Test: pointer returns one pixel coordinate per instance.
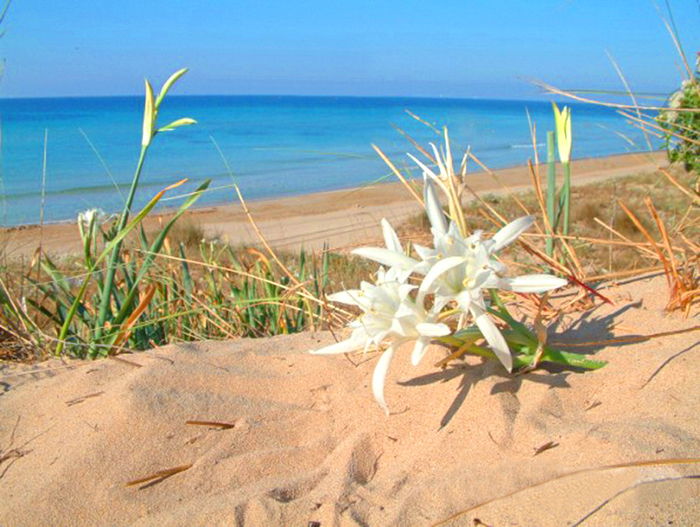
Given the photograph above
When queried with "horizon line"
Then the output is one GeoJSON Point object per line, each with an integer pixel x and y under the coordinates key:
{"type": "Point", "coordinates": [298, 96]}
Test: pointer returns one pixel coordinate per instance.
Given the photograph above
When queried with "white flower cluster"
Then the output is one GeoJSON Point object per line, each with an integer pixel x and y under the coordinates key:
{"type": "Point", "coordinates": [87, 217]}
{"type": "Point", "coordinates": [455, 272]}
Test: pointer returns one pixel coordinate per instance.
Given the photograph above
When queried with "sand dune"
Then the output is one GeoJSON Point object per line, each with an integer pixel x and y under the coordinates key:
{"type": "Point", "coordinates": [310, 444]}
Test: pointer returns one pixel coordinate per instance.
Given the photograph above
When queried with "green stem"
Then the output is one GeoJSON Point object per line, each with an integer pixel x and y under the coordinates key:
{"type": "Point", "coordinates": [114, 256]}
{"type": "Point", "coordinates": [522, 360]}
{"type": "Point", "coordinates": [551, 192]}
{"type": "Point", "coordinates": [566, 194]}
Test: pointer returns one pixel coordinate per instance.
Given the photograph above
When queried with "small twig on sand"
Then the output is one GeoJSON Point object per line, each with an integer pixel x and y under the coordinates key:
{"type": "Point", "coordinates": [158, 477]}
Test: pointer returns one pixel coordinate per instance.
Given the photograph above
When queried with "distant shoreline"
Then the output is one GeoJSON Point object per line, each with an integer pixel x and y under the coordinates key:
{"type": "Point", "coordinates": [341, 218]}
{"type": "Point", "coordinates": [164, 211]}
{"type": "Point", "coordinates": [277, 146]}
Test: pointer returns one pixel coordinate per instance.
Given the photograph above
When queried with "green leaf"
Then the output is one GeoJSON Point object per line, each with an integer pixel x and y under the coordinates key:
{"type": "Point", "coordinates": [185, 121]}
{"type": "Point", "coordinates": [149, 117]}
{"type": "Point", "coordinates": [77, 303]}
{"type": "Point", "coordinates": [168, 84]}
{"type": "Point", "coordinates": [153, 252]}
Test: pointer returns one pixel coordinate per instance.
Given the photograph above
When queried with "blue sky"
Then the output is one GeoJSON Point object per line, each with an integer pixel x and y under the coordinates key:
{"type": "Point", "coordinates": [454, 48]}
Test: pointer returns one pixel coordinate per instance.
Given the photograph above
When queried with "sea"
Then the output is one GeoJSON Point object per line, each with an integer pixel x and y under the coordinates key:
{"type": "Point", "coordinates": [59, 156]}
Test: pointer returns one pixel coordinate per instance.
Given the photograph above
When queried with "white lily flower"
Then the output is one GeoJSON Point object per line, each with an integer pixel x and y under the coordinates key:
{"type": "Point", "coordinates": [389, 313]}
{"type": "Point", "coordinates": [462, 267]}
{"type": "Point", "coordinates": [458, 269]}
{"type": "Point", "coordinates": [393, 256]}
{"type": "Point", "coordinates": [86, 217]}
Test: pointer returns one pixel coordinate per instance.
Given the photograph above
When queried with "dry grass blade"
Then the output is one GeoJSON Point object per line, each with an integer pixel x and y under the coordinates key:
{"type": "Point", "coordinates": [642, 123]}
{"type": "Point", "coordinates": [424, 122]}
{"type": "Point", "coordinates": [415, 144]}
{"type": "Point", "coordinates": [650, 239]}
{"type": "Point", "coordinates": [547, 446]}
{"type": "Point", "coordinates": [82, 398]}
{"type": "Point", "coordinates": [690, 193]}
{"type": "Point", "coordinates": [640, 246]}
{"type": "Point", "coordinates": [624, 274]}
{"type": "Point", "coordinates": [124, 361]}
{"type": "Point", "coordinates": [625, 340]}
{"type": "Point", "coordinates": [216, 424]}
{"type": "Point", "coordinates": [262, 238]}
{"type": "Point", "coordinates": [159, 476]}
{"type": "Point", "coordinates": [664, 237]}
{"type": "Point", "coordinates": [632, 96]}
{"type": "Point", "coordinates": [498, 180]}
{"type": "Point", "coordinates": [556, 91]}
{"type": "Point", "coordinates": [633, 464]}
{"type": "Point", "coordinates": [399, 175]}
{"type": "Point", "coordinates": [129, 324]}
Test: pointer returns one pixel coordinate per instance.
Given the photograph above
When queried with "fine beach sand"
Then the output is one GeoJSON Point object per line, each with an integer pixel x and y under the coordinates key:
{"type": "Point", "coordinates": [309, 444]}
{"type": "Point", "coordinates": [341, 218]}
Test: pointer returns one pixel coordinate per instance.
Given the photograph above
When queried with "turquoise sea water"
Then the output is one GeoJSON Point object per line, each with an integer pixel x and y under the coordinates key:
{"type": "Point", "coordinates": [275, 146]}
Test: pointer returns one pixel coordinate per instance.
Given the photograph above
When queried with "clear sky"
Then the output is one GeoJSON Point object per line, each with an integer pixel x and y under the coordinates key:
{"type": "Point", "coordinates": [455, 48]}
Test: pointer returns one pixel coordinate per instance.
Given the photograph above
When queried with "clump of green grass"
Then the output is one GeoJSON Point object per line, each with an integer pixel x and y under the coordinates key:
{"type": "Point", "coordinates": [208, 290]}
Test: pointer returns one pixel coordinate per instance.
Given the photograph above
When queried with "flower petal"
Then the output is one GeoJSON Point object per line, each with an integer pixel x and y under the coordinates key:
{"type": "Point", "coordinates": [532, 283]}
{"type": "Point", "coordinates": [428, 329]}
{"type": "Point", "coordinates": [436, 271]}
{"type": "Point", "coordinates": [390, 238]}
{"type": "Point", "coordinates": [386, 257]}
{"type": "Point", "coordinates": [379, 377]}
{"type": "Point", "coordinates": [433, 208]}
{"type": "Point", "coordinates": [426, 171]}
{"type": "Point", "coordinates": [510, 232]}
{"type": "Point", "coordinates": [425, 253]}
{"type": "Point", "coordinates": [350, 297]}
{"type": "Point", "coordinates": [493, 336]}
{"type": "Point", "coordinates": [344, 346]}
{"type": "Point", "coordinates": [419, 350]}
{"type": "Point", "coordinates": [438, 159]}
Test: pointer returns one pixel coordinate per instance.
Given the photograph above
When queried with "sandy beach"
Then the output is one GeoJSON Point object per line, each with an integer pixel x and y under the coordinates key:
{"type": "Point", "coordinates": [341, 218]}
{"type": "Point", "coordinates": [260, 432]}
{"type": "Point", "coordinates": [299, 265]}
{"type": "Point", "coordinates": [300, 438]}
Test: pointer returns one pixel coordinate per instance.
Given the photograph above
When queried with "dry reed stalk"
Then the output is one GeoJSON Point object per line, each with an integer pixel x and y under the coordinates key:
{"type": "Point", "coordinates": [498, 180]}
{"type": "Point", "coordinates": [556, 91]}
{"type": "Point", "coordinates": [688, 192]}
{"type": "Point", "coordinates": [624, 274]}
{"type": "Point", "coordinates": [632, 96]}
{"type": "Point", "coordinates": [645, 248]}
{"type": "Point", "coordinates": [422, 121]}
{"type": "Point", "coordinates": [415, 144]}
{"type": "Point", "coordinates": [159, 476]}
{"type": "Point", "coordinates": [682, 282]}
{"type": "Point", "coordinates": [627, 340]}
{"type": "Point", "coordinates": [652, 124]}
{"type": "Point", "coordinates": [539, 194]}
{"type": "Point", "coordinates": [217, 424]}
{"type": "Point", "coordinates": [399, 175]}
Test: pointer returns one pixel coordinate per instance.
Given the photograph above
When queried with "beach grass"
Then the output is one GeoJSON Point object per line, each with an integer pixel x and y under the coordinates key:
{"type": "Point", "coordinates": [199, 288]}
{"type": "Point", "coordinates": [133, 291]}
{"type": "Point", "coordinates": [595, 213]}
